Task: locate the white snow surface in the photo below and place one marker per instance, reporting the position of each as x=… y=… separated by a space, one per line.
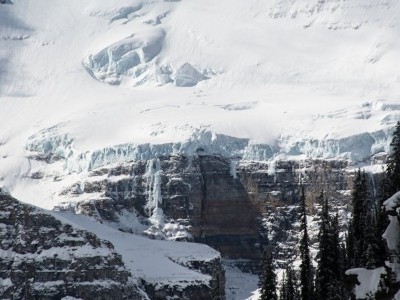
x=369 y=281
x=239 y=285
x=99 y=82
x=391 y=235
x=158 y=262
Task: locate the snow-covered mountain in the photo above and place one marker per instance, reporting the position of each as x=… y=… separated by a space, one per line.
x=289 y=74
x=93 y=93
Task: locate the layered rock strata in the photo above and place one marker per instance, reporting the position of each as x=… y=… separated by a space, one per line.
x=233 y=206
x=42 y=258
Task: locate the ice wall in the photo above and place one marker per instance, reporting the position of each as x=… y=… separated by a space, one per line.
x=356 y=148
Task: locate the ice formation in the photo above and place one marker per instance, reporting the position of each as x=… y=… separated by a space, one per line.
x=357 y=148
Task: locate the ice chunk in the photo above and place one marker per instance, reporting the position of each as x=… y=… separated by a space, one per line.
x=123 y=12
x=151 y=49
x=187 y=76
x=127 y=61
x=129 y=57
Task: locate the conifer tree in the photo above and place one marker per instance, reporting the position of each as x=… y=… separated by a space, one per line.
x=323 y=272
x=291 y=285
x=390 y=184
x=343 y=266
x=338 y=260
x=283 y=289
x=370 y=255
x=381 y=223
x=288 y=289
x=335 y=246
x=328 y=279
x=393 y=163
x=306 y=273
x=356 y=240
x=267 y=281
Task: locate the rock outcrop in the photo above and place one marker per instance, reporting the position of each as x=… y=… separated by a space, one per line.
x=196 y=192
x=43 y=258
x=228 y=204
x=233 y=206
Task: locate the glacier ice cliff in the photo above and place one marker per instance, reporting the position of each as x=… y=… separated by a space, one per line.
x=51 y=145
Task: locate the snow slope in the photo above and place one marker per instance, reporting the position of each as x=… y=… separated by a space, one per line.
x=96 y=82
x=157 y=262
x=239 y=285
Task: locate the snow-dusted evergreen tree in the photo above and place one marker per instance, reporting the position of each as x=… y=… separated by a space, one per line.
x=292 y=293
x=267 y=281
x=328 y=277
x=370 y=254
x=382 y=222
x=356 y=239
x=306 y=272
x=338 y=266
x=283 y=289
x=323 y=275
x=390 y=184
x=393 y=162
x=288 y=289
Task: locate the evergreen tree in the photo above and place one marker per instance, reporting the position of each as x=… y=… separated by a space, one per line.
x=390 y=184
x=328 y=283
x=306 y=274
x=335 y=246
x=291 y=285
x=323 y=273
x=381 y=223
x=343 y=266
x=283 y=289
x=288 y=289
x=356 y=240
x=370 y=258
x=393 y=163
x=338 y=259
x=350 y=245
x=268 y=277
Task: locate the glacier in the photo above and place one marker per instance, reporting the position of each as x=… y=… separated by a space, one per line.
x=216 y=86
x=357 y=149
x=102 y=83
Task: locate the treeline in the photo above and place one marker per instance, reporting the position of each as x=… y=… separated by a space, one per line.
x=362 y=247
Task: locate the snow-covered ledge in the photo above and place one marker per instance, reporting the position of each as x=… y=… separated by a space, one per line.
x=368 y=281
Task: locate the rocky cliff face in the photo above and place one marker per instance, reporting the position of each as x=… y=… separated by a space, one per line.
x=42 y=258
x=197 y=194
x=234 y=206
x=230 y=205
